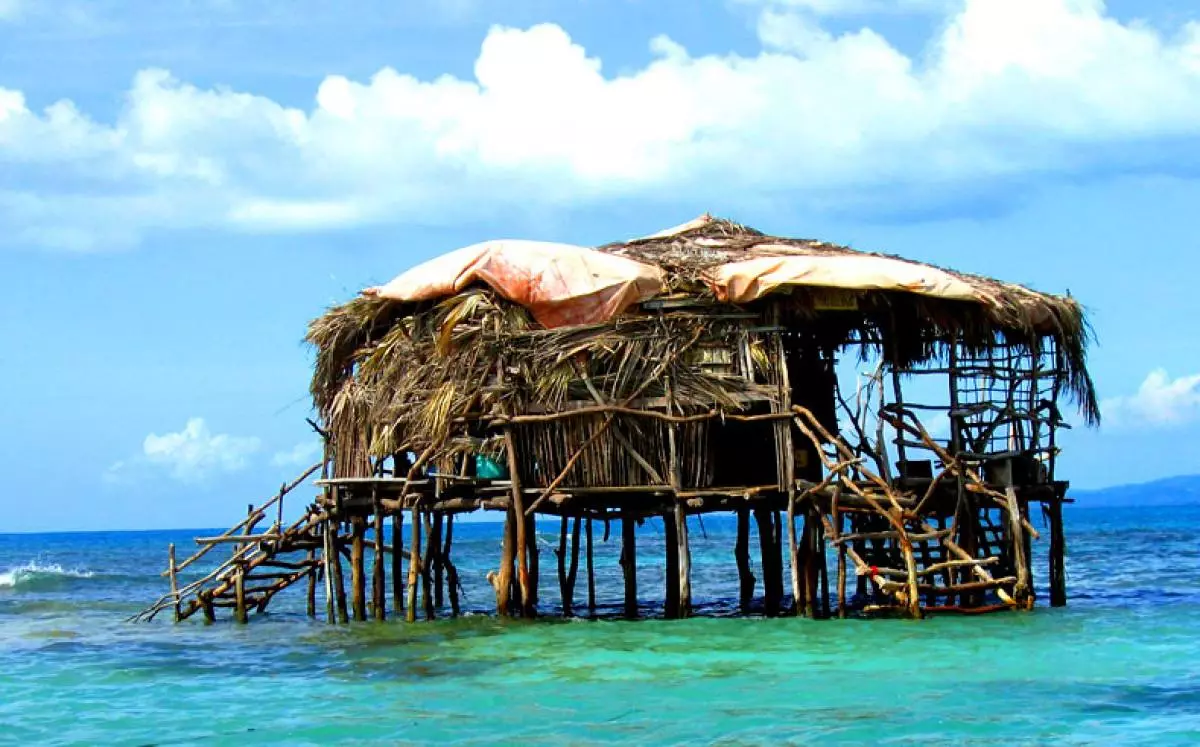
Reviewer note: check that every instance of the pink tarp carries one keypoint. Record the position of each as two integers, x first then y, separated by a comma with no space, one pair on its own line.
751,279
560,284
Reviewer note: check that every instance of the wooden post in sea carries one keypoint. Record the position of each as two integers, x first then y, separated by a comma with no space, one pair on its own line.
561,556
310,606
378,582
520,525
414,565
437,564
671,540
741,554
629,564
431,551
174,579
451,569
591,572
1058,574
772,579
358,582
397,556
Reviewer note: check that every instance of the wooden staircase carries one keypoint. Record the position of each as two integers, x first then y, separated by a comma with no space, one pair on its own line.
261,565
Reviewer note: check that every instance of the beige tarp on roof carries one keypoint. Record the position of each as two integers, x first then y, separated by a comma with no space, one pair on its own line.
560,284
747,280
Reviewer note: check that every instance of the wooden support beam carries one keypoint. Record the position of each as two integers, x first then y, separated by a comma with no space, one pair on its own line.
573,568
1058,574
310,606
685,560
771,560
435,561
358,582
378,580
502,580
174,579
451,569
414,566
561,556
629,565
397,562
427,570
741,554
671,541
522,542
591,572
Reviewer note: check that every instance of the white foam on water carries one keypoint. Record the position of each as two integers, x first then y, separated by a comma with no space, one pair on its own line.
34,571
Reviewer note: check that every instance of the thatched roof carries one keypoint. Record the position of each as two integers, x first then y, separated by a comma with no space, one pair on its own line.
406,361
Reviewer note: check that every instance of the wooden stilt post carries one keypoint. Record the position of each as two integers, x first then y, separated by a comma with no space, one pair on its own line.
671,541
1058,571
573,568
772,583
841,549
414,565
378,581
397,561
809,563
327,568
502,580
822,561
518,510
427,569
310,606
239,585
339,578
206,604
629,565
451,569
358,582
535,558
1022,592
174,580
741,554
794,553
685,560
561,556
591,572
436,564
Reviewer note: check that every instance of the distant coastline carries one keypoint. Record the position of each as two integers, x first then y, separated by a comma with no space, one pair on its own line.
1181,490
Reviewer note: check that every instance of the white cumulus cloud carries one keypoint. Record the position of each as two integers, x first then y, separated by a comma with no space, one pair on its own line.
1005,91
1159,401
9,9
189,455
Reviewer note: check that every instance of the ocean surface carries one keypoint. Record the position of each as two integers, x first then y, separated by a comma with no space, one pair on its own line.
1119,665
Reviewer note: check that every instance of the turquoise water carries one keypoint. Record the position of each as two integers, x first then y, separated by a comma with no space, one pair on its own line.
1120,665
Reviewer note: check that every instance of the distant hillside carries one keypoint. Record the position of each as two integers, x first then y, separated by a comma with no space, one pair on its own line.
1183,490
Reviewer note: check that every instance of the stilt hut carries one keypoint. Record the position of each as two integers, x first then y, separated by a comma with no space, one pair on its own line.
696,371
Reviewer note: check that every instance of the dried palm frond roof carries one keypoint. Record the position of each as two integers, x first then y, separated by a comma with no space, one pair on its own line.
710,257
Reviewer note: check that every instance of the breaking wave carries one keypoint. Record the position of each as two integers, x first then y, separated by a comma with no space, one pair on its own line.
35,575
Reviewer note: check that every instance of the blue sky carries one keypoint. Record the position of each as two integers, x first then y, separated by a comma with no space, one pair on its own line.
184,185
